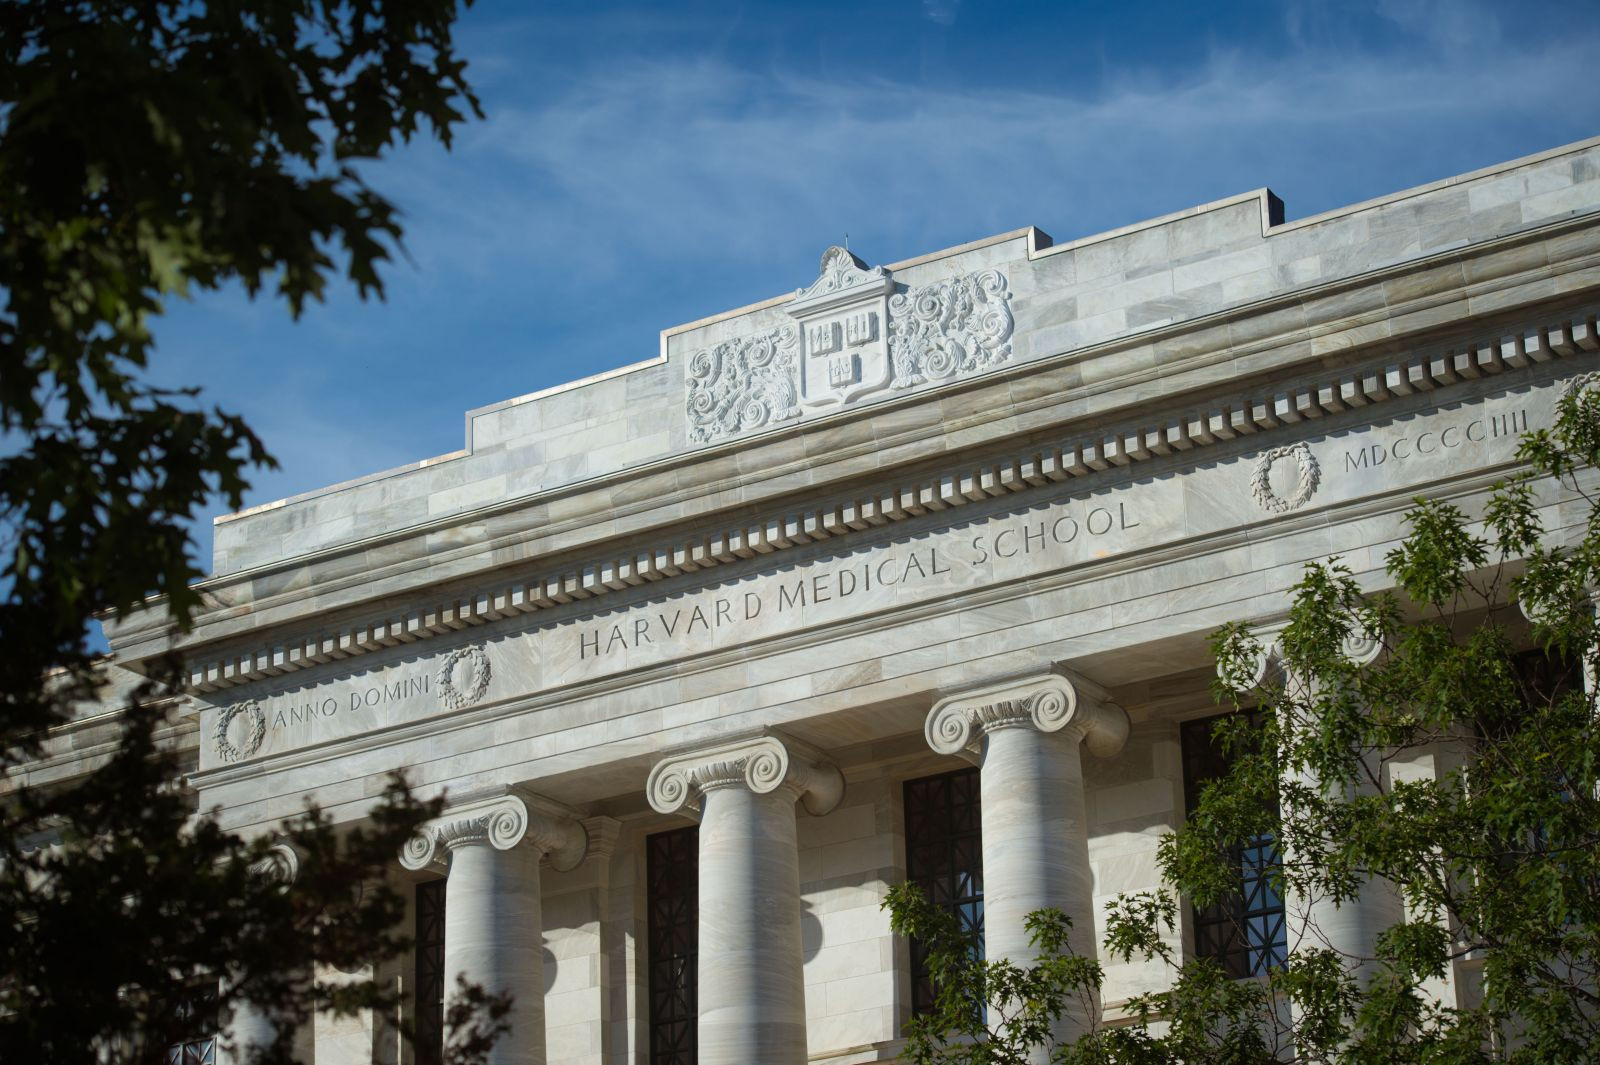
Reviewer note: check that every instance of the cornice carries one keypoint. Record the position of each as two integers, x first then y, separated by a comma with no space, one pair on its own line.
764,764
1072,458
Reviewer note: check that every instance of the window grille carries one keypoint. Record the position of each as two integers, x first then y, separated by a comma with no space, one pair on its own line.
672,864
1244,933
944,857
430,972
198,1011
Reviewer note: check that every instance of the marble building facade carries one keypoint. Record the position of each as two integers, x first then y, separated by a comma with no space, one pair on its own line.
683,644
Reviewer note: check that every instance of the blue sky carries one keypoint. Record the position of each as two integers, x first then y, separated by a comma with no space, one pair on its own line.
644,166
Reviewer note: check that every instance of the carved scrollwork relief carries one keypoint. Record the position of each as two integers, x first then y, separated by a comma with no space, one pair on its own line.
254,730
850,338
742,384
839,272
950,328
1307,476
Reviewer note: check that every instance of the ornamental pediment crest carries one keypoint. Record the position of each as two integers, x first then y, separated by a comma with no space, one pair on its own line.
852,333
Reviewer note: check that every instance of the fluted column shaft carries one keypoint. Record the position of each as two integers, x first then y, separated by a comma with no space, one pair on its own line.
1026,734
1035,839
493,924
251,1029
751,988
1351,927
751,982
494,936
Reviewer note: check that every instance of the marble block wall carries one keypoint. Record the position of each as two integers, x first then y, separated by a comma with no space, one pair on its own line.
848,859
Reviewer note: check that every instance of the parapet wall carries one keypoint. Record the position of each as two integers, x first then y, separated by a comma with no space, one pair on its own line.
983,308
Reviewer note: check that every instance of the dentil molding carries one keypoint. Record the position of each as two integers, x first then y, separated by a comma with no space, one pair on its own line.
1053,701
764,764
502,822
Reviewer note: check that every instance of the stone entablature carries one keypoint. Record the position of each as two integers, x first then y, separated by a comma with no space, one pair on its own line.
929,558
1189,429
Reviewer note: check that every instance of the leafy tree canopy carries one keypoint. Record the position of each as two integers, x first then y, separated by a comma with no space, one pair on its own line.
150,149
1494,851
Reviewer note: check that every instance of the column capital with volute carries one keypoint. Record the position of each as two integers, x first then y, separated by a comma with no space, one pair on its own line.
764,764
1054,700
503,820
1268,666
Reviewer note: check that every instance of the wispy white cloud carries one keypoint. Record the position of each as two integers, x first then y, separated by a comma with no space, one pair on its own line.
701,158
623,192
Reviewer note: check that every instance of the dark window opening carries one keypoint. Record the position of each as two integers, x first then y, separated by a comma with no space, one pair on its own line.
198,1012
672,866
430,972
944,858
1245,933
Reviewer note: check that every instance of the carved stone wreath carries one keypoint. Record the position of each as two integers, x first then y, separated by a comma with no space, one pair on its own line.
227,750
1581,383
454,698
1310,475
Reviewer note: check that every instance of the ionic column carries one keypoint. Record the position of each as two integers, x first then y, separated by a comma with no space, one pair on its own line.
1351,928
493,929
751,982
1026,733
252,1030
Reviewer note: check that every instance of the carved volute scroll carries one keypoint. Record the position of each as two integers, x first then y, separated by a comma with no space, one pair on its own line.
763,764
501,821
1054,701
1268,668
281,865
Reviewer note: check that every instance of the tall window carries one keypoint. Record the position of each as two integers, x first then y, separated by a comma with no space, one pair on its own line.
672,864
1246,932
198,1010
944,857
430,972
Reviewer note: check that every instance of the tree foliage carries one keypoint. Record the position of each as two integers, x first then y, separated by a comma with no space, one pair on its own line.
150,149
1456,769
